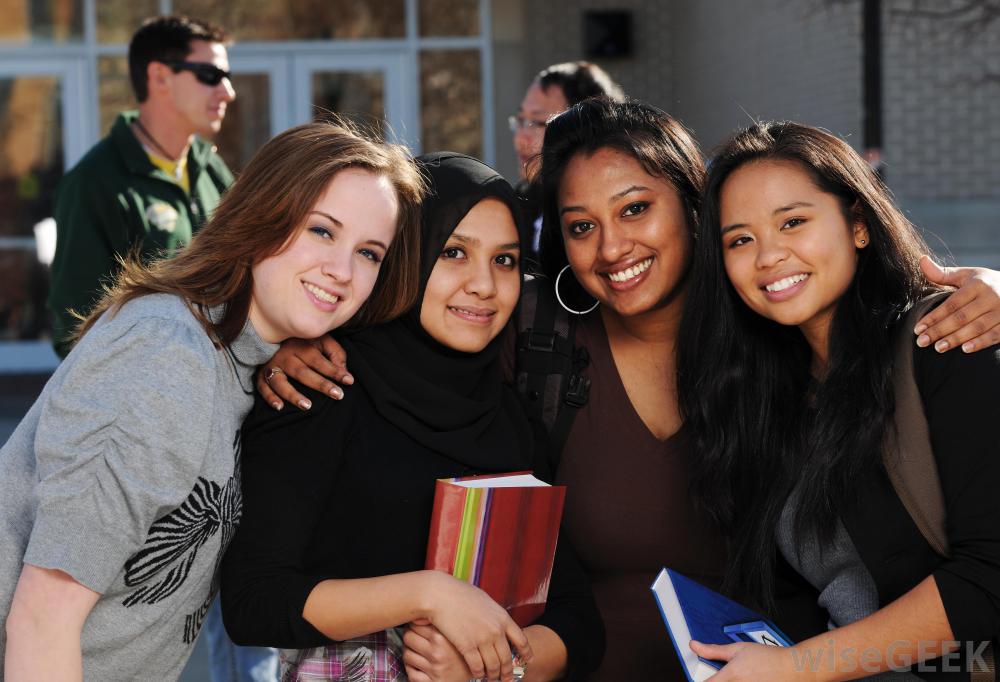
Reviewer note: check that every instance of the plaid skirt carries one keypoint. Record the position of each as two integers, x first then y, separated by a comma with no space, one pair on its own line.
373,658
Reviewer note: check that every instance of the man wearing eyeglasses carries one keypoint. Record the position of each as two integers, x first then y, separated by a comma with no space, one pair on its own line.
146,188
555,89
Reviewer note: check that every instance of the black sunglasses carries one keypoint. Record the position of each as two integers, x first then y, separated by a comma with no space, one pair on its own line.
208,74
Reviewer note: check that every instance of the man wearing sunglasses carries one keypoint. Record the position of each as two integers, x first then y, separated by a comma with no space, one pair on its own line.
146,188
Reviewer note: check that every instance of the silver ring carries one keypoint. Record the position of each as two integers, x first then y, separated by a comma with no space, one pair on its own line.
271,373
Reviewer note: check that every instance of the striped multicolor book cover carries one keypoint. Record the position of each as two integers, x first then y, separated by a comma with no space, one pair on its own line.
498,533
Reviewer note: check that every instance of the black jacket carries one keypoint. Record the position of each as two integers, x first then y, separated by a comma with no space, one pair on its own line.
961,399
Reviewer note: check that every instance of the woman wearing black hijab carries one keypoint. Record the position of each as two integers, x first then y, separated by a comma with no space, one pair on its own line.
337,500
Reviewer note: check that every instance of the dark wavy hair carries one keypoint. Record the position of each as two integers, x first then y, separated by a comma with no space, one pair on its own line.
166,39
579,81
658,142
762,425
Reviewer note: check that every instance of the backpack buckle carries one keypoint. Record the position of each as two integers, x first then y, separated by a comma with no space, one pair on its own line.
543,341
578,390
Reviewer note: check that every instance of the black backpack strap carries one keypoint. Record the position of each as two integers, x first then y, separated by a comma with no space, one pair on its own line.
550,369
574,396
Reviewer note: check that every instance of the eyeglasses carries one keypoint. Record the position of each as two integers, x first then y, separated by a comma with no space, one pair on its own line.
521,123
207,74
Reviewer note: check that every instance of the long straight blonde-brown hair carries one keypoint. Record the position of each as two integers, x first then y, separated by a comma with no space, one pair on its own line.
261,213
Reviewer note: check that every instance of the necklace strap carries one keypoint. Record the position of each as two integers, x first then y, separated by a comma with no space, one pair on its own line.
159,147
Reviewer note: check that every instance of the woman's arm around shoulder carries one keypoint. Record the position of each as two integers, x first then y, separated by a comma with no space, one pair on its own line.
314,363
970,317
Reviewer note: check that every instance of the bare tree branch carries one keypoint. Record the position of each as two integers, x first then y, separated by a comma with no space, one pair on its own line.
966,20
971,17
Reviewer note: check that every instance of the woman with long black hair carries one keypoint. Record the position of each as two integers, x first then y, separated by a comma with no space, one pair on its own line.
804,274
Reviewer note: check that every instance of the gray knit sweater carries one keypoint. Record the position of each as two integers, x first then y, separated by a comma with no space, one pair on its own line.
125,475
846,589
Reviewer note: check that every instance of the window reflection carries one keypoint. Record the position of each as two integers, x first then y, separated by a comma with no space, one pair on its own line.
31,163
114,90
117,20
31,151
302,19
449,17
450,103
356,95
41,21
247,125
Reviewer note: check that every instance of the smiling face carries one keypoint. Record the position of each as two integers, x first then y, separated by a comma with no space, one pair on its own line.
201,107
789,250
538,106
328,269
475,282
625,232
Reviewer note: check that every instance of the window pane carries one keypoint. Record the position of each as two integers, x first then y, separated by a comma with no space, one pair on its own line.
43,21
449,17
302,19
114,90
31,164
31,155
247,125
24,286
117,20
357,95
451,105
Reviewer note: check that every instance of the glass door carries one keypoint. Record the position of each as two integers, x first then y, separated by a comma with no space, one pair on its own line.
374,90
280,88
260,110
43,128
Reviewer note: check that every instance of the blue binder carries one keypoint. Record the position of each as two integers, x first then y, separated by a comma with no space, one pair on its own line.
693,611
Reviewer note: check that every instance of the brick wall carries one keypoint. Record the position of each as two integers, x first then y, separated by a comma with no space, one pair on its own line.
716,64
942,119
555,34
766,59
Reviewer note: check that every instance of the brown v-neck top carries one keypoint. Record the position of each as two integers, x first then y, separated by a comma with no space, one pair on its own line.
629,513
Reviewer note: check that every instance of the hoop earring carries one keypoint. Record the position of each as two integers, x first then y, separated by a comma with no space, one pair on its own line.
563,304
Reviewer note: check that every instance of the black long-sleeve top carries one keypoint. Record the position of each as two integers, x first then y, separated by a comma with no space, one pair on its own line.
339,492
961,400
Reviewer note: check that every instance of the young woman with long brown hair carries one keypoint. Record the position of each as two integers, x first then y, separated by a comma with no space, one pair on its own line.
121,486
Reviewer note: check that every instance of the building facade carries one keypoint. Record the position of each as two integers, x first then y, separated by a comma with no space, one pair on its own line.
718,64
444,74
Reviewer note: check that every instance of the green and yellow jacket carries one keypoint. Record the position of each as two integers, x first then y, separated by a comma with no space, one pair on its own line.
115,203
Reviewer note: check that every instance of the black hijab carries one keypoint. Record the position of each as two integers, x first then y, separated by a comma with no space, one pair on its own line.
451,402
